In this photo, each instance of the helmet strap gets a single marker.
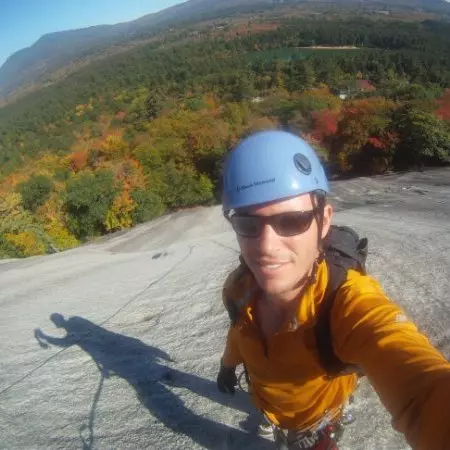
(318, 202)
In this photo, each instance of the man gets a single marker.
(275, 198)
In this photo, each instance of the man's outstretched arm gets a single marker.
(44, 339)
(411, 377)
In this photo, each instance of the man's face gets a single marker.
(279, 263)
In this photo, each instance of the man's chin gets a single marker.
(272, 286)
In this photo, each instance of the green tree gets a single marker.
(300, 75)
(184, 188)
(35, 191)
(154, 104)
(149, 205)
(241, 87)
(87, 201)
(424, 138)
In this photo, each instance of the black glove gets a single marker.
(226, 379)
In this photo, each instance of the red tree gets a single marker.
(443, 103)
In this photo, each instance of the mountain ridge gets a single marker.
(31, 66)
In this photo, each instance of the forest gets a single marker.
(145, 132)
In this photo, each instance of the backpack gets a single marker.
(343, 250)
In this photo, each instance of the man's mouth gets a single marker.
(271, 267)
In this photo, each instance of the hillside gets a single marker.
(137, 135)
(52, 51)
(67, 51)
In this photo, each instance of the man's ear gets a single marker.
(327, 216)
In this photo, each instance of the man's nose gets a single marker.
(268, 239)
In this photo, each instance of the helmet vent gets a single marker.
(302, 163)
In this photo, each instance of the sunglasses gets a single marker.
(284, 224)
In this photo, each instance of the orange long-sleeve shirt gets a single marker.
(411, 377)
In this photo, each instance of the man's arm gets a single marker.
(226, 378)
(231, 355)
(411, 377)
(44, 339)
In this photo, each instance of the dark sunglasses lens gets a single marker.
(292, 224)
(247, 226)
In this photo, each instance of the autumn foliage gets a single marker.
(365, 140)
(121, 172)
(443, 110)
(77, 161)
(325, 124)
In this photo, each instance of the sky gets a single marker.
(23, 22)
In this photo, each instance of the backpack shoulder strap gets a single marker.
(322, 330)
(235, 306)
(232, 310)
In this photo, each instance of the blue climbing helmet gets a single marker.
(271, 165)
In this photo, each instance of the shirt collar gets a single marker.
(305, 312)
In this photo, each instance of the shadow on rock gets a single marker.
(143, 367)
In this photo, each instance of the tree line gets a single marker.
(132, 137)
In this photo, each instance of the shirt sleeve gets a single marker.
(232, 356)
(411, 377)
